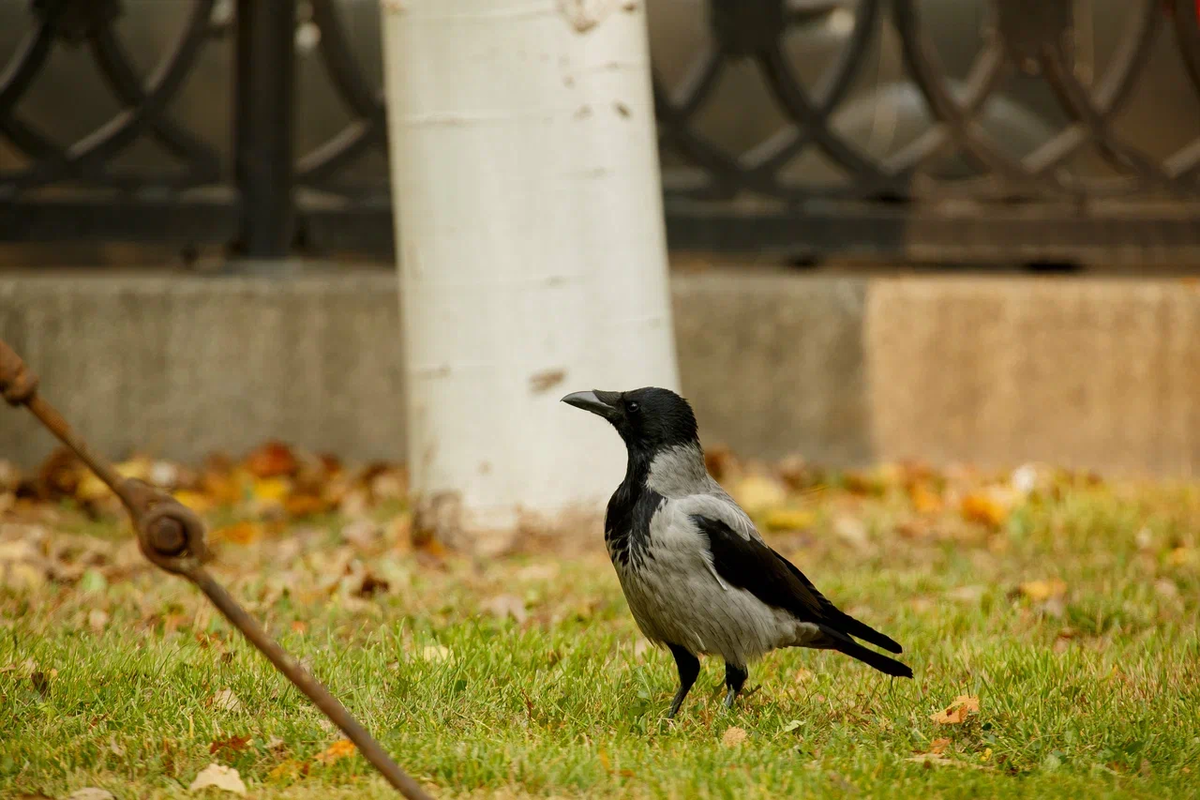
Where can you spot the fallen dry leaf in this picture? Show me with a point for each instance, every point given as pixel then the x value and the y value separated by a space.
pixel 244 532
pixel 757 493
pixel 362 533
pixel 287 769
pixel 435 652
pixel 218 776
pixel 342 748
pixel 90 793
pixel 270 492
pixel 507 605
pixel 789 519
pixel 1041 590
pixel 984 508
pixel 234 744
pixel 733 736
pixel 938 746
pixel 720 460
pixel 924 499
pixel 271 460
pixel 1181 556
pixel 97 619
pixel 852 531
pixel 957 712
pixel 225 700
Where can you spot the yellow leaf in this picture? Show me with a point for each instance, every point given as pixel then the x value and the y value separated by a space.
pixel 194 500
pixel 733 736
pixel 91 488
pixel 924 499
pixel 271 490
pixel 342 748
pixel 984 508
pixel 957 712
pixel 285 770
pixel 1041 590
pixel 1181 556
pixel 789 519
pixel 757 493
pixel 240 532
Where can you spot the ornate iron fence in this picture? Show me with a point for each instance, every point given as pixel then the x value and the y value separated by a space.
pixel 871 132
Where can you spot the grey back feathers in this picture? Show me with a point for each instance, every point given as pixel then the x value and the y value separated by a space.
pixel 679 474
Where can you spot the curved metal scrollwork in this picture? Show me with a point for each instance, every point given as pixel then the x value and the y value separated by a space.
pixel 143 100
pixel 1031 36
pixel 1028 150
pixel 368 128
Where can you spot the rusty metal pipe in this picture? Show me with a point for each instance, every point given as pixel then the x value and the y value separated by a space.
pixel 172 537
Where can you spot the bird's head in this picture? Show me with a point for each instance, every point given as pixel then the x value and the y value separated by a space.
pixel 648 419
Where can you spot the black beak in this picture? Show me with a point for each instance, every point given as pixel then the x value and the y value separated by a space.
pixel 591 401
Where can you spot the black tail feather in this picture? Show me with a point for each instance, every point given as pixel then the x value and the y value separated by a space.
pixel 860 630
pixel 888 666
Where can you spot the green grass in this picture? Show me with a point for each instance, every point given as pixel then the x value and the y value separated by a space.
pixel 1096 694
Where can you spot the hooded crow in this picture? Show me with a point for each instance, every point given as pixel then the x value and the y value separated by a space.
pixel 698 577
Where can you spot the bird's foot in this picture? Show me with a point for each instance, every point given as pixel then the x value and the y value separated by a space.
pixel 675 704
pixel 730 696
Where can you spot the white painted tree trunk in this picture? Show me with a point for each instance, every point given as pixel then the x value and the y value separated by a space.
pixel 531 244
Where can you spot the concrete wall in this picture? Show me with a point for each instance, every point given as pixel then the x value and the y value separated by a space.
pixel 843 369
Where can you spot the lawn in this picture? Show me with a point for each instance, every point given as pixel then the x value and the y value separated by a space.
pixel 1065 607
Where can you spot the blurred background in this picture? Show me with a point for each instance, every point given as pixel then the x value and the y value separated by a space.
pixel 937 229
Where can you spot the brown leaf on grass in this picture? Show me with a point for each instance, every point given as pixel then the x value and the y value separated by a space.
pixel 1183 556
pixel 361 533
pixel 244 532
pixel 985 509
pixel 90 793
pixel 305 505
pixel 273 459
pixel 958 711
pixel 924 499
pixel 225 700
pixel 234 744
pixel 507 605
pixel 938 746
pixel 720 461
pixel 342 748
pixel 1040 591
pixel 59 474
pixel 218 776
pixel 41 681
pixel 733 736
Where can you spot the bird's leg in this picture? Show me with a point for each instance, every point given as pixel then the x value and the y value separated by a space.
pixel 735 678
pixel 689 668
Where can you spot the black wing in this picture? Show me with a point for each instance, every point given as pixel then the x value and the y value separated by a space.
pixel 751 565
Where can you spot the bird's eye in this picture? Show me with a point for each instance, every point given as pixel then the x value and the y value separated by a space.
pixel 632 407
